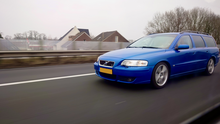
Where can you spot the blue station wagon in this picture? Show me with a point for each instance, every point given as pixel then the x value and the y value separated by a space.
pixel 157 57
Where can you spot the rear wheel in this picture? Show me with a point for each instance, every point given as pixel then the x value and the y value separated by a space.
pixel 160 75
pixel 210 67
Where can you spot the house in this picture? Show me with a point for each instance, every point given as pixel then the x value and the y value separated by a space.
pixel 70 34
pixel 82 36
pixel 110 36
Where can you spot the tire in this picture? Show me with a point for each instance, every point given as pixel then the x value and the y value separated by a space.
pixel 210 67
pixel 160 75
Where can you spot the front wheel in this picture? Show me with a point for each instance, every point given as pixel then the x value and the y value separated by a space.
pixel 210 67
pixel 160 75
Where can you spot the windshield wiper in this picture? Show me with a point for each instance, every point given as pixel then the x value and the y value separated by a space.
pixel 132 47
pixel 150 47
pixel 145 47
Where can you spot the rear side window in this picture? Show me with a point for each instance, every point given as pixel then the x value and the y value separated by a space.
pixel 198 41
pixel 210 41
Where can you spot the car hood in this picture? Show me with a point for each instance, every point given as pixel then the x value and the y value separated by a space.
pixel 132 52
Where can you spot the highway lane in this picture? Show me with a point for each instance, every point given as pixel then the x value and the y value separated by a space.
pixel 33 73
pixel 91 100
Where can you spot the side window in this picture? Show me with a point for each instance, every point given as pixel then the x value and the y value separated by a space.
pixel 198 41
pixel 210 42
pixel 185 40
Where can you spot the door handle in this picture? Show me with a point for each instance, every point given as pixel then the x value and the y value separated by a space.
pixel 207 51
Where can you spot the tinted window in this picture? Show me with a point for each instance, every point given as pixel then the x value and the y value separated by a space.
pixel 210 41
pixel 198 41
pixel 185 40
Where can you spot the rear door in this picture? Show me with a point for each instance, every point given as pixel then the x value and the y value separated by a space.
pixel 212 48
pixel 200 53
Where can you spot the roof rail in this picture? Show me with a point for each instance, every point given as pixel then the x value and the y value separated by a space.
pixel 197 32
pixel 152 33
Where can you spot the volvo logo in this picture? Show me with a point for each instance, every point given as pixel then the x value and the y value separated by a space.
pixel 106 63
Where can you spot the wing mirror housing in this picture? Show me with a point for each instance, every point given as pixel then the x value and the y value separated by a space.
pixel 182 46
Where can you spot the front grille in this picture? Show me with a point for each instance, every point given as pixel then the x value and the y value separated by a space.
pixel 107 75
pixel 106 63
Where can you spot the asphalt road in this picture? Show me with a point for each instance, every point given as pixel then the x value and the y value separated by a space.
pixel 92 100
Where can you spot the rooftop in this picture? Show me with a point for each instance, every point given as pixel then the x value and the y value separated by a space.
pixel 80 29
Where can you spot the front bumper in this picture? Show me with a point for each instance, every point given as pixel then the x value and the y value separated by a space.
pixel 134 75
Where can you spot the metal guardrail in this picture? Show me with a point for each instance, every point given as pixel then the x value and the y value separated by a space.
pixel 11 54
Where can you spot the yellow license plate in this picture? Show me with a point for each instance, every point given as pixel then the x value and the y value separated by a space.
pixel 105 70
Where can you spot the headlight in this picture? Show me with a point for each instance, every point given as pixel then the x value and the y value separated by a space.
pixel 134 63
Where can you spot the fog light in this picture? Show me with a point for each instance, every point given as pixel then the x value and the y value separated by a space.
pixel 127 79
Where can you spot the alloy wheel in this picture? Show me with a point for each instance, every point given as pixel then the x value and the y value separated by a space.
pixel 161 75
pixel 211 66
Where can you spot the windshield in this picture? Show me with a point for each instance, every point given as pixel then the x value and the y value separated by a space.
pixel 154 41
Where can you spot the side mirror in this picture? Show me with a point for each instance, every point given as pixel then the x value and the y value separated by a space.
pixel 182 46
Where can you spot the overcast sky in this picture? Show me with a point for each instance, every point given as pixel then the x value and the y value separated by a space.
pixel 56 17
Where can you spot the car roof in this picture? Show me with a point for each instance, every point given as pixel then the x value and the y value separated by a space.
pixel 165 33
pixel 189 33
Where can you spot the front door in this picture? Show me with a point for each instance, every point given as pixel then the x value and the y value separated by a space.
pixel 183 61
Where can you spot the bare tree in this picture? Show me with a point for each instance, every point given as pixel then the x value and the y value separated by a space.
pixel 172 21
pixel 179 19
pixel 18 36
pixel 7 37
pixel 31 35
pixel 25 35
pixel 197 16
pixel 156 26
pixel 35 35
pixel 49 37
pixel 55 38
pixel 1 35
pixel 44 36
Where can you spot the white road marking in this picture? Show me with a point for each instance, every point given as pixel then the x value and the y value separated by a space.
pixel 46 79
